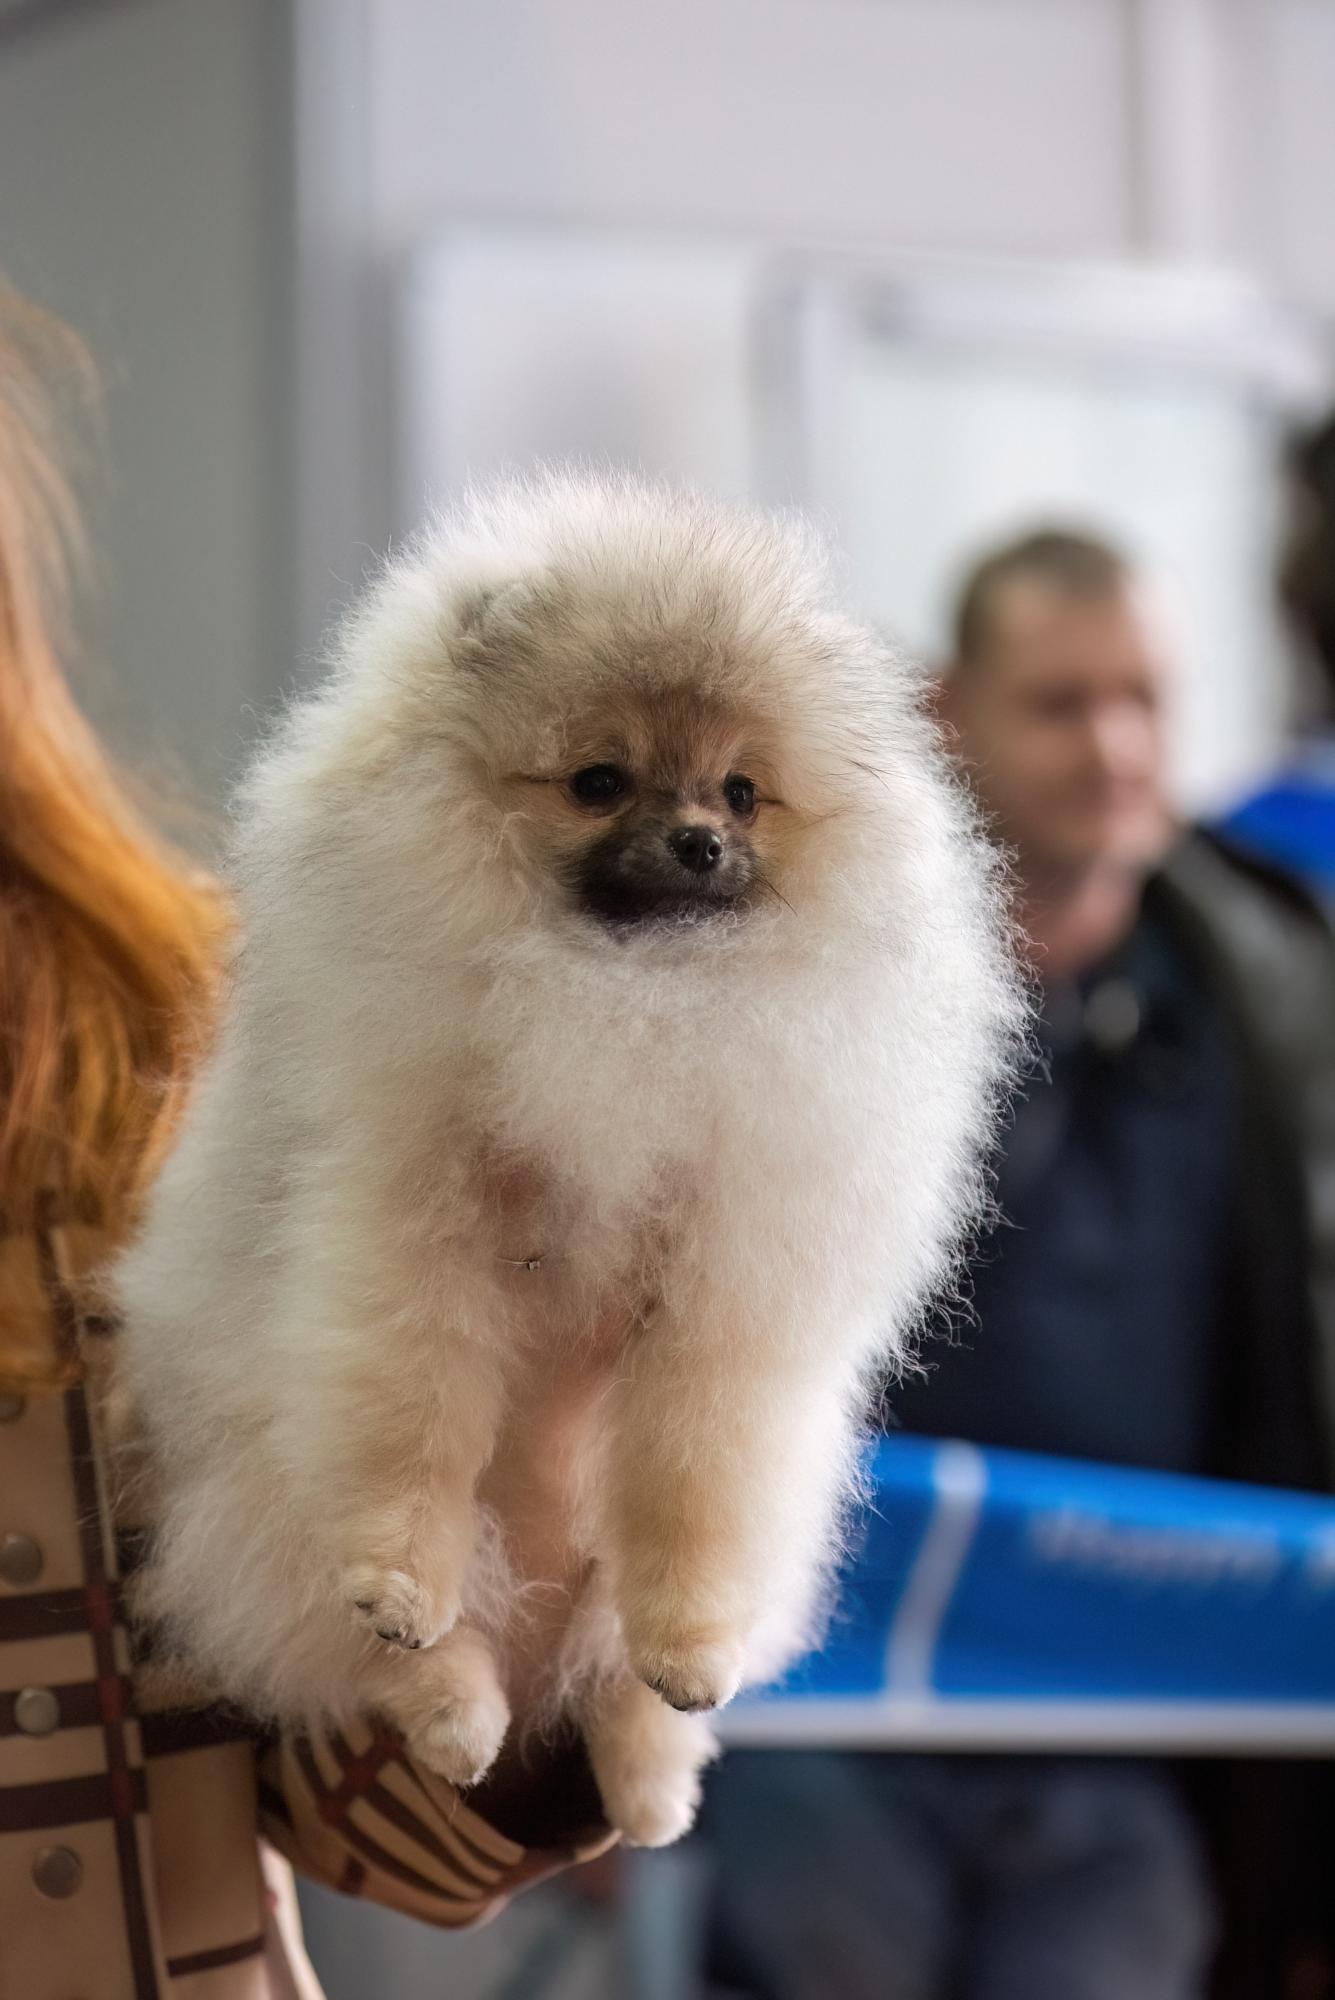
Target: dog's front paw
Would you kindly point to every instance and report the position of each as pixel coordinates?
(463, 1738)
(690, 1673)
(398, 1608)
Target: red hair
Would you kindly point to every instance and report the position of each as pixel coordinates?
(109, 941)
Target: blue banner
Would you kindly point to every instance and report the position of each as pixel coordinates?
(1069, 1602)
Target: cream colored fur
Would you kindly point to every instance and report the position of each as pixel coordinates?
(745, 1151)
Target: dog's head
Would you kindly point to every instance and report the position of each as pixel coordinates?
(657, 715)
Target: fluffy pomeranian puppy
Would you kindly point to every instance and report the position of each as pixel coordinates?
(622, 1011)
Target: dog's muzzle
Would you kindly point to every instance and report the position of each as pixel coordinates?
(637, 873)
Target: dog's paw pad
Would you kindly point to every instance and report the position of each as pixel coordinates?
(692, 1677)
(397, 1609)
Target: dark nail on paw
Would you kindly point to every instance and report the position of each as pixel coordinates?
(397, 1637)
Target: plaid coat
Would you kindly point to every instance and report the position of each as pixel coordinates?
(145, 1855)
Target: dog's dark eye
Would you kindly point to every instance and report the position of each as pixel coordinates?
(740, 794)
(598, 784)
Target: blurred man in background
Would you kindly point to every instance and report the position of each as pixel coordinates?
(1292, 819)
(1157, 1295)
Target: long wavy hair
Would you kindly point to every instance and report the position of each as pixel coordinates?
(109, 940)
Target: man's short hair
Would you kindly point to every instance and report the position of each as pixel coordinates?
(1064, 560)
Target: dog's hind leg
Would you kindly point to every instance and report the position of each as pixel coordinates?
(647, 1760)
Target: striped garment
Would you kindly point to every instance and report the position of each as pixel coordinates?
(145, 1854)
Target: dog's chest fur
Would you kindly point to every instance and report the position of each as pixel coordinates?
(574, 1297)
(570, 1282)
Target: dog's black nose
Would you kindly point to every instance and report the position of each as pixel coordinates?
(696, 847)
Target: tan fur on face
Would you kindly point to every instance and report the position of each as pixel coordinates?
(679, 746)
(519, 1275)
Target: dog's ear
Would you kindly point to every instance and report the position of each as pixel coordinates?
(472, 606)
(471, 623)
(483, 607)
(498, 619)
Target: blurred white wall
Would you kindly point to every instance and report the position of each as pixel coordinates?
(223, 195)
(1080, 127)
(1172, 130)
(143, 198)
(960, 122)
(941, 123)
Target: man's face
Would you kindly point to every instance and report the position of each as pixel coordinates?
(1059, 720)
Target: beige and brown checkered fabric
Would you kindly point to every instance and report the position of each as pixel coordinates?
(131, 1859)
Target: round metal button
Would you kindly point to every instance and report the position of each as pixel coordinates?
(57, 1871)
(12, 1408)
(20, 1559)
(36, 1711)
